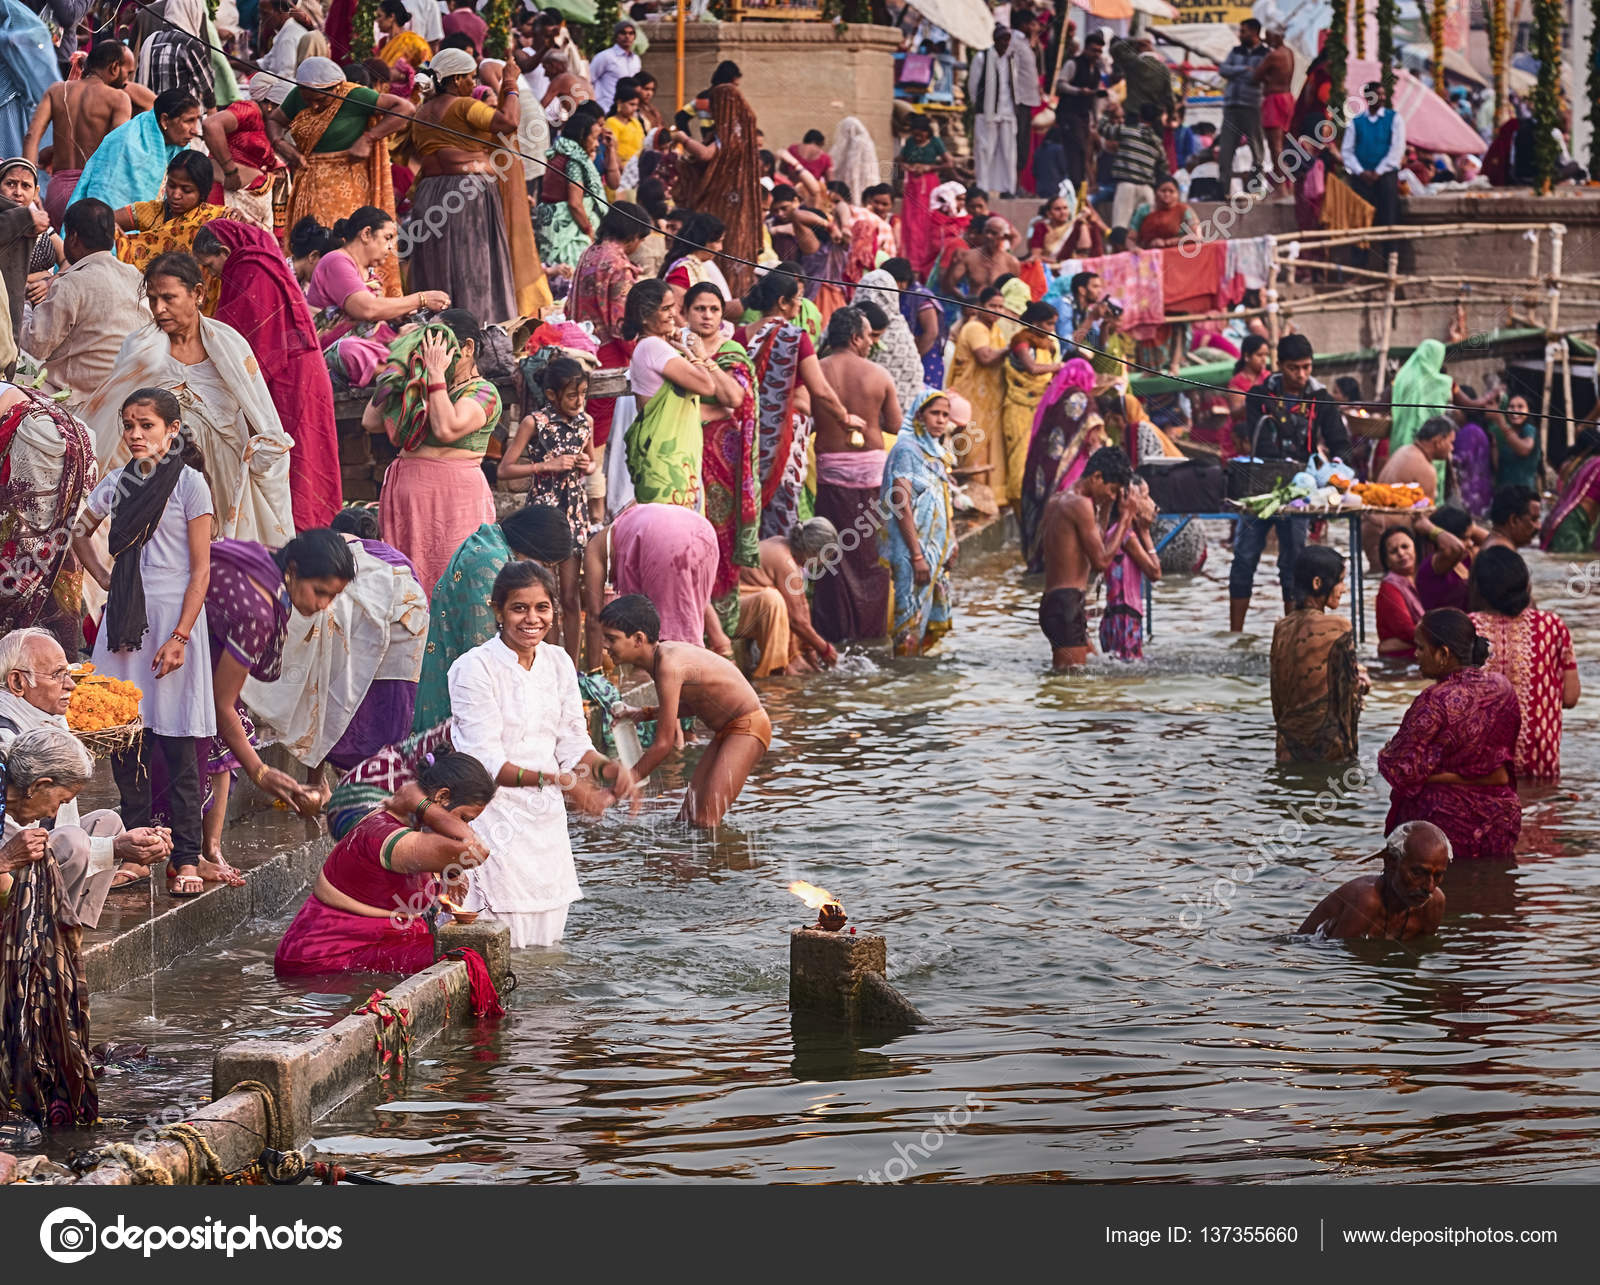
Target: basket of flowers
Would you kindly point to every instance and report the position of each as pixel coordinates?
(103, 712)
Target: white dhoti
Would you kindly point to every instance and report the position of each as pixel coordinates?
(994, 153)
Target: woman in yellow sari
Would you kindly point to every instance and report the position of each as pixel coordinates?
(1031, 363)
(469, 233)
(977, 374)
(328, 132)
(151, 228)
(398, 40)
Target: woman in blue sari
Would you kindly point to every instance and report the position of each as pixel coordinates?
(459, 615)
(130, 165)
(918, 539)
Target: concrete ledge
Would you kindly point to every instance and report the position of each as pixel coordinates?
(987, 535)
(190, 925)
(313, 1077)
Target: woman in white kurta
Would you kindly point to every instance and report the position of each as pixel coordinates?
(515, 707)
(153, 633)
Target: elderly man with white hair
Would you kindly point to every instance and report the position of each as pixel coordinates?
(1403, 902)
(35, 686)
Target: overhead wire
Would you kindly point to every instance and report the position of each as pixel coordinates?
(970, 305)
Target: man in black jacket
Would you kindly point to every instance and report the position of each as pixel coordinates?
(1286, 418)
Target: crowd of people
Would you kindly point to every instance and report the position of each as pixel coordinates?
(814, 388)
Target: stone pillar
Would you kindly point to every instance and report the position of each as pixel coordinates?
(797, 75)
(838, 977)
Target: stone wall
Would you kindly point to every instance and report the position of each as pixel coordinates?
(797, 75)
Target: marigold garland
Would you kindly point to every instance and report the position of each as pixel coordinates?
(361, 28)
(1546, 49)
(1594, 97)
(1499, 17)
(1358, 19)
(1388, 16)
(1436, 31)
(1337, 51)
(498, 38)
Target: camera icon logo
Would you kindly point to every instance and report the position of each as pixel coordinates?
(68, 1235)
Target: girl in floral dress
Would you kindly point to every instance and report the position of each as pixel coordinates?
(554, 449)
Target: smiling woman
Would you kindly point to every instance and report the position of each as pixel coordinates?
(517, 710)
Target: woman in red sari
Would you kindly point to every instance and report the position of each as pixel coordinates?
(1451, 762)
(366, 911)
(921, 159)
(262, 301)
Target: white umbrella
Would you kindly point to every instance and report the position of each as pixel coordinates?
(1157, 9)
(969, 21)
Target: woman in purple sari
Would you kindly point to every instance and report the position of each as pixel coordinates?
(251, 595)
(1451, 761)
(1474, 468)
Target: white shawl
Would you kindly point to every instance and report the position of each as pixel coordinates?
(247, 462)
(376, 629)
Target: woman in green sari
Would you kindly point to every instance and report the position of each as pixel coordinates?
(730, 468)
(669, 374)
(459, 615)
(569, 193)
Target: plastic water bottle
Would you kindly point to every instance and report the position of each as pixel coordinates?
(627, 737)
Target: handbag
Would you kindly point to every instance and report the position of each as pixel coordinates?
(916, 71)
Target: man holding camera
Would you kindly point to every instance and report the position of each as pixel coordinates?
(1093, 315)
(1286, 417)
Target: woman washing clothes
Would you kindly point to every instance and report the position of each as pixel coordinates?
(366, 911)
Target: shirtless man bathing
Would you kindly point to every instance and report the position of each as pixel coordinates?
(1403, 902)
(1074, 551)
(690, 680)
(82, 113)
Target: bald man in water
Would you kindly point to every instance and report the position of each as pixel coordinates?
(1403, 902)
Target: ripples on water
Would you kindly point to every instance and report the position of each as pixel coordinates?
(1027, 842)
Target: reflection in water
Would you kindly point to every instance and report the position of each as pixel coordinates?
(1027, 843)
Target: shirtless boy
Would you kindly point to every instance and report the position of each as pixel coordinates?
(82, 112)
(690, 680)
(1074, 551)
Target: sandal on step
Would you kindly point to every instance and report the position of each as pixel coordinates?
(133, 880)
(184, 886)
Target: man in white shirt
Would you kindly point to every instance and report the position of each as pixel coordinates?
(1025, 84)
(281, 58)
(93, 304)
(991, 89)
(1374, 144)
(35, 687)
(611, 65)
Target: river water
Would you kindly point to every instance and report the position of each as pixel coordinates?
(1071, 877)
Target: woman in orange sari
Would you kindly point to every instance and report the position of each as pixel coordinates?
(724, 176)
(470, 232)
(329, 133)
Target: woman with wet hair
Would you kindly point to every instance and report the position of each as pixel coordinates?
(1453, 760)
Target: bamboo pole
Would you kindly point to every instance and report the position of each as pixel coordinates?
(1270, 297)
(1566, 386)
(1387, 324)
(1327, 238)
(679, 100)
(1558, 234)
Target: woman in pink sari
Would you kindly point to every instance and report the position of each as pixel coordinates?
(920, 162)
(1067, 430)
(261, 300)
(1451, 761)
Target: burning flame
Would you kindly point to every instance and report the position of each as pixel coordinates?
(814, 897)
